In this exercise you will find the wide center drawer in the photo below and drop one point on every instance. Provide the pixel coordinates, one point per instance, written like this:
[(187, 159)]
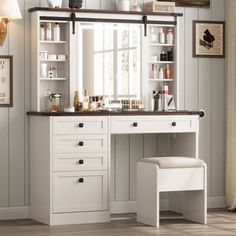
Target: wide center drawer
[(80, 191), (154, 124), (80, 125), (79, 143)]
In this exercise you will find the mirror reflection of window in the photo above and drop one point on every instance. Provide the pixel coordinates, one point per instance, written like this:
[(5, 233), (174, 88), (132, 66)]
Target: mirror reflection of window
[(111, 60)]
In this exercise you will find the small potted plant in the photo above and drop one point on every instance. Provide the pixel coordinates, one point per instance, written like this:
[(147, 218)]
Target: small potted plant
[(75, 3)]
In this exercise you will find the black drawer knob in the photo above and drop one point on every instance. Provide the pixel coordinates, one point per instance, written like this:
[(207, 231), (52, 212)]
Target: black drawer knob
[(81, 144), (81, 180), (174, 124), (81, 162), (81, 125), (135, 124)]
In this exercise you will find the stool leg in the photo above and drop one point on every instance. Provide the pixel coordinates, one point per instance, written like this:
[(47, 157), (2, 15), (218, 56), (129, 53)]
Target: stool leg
[(195, 203), (195, 206), (147, 194)]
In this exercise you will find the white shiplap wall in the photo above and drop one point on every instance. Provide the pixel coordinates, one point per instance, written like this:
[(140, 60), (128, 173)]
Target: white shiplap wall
[(202, 86)]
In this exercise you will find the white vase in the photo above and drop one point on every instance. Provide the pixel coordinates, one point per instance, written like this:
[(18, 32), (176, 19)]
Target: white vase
[(55, 3), (122, 5)]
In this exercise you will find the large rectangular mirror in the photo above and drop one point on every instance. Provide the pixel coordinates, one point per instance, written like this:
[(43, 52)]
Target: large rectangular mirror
[(109, 59)]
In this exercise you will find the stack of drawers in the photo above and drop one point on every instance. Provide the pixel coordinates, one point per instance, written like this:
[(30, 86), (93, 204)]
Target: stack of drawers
[(79, 164)]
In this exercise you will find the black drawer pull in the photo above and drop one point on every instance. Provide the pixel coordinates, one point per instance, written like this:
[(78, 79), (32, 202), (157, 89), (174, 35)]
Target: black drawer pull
[(174, 124), (135, 124), (80, 180), (81, 144), (81, 125), (81, 162)]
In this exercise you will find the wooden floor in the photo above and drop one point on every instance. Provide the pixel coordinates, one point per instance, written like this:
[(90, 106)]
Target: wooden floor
[(220, 222)]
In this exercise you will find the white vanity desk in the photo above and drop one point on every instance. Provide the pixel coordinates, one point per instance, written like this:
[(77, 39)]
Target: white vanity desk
[(70, 158)]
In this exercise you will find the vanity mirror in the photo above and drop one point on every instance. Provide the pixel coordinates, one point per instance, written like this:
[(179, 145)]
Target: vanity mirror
[(109, 59)]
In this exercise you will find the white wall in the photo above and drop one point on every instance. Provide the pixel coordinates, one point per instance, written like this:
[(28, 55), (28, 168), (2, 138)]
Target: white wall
[(202, 87)]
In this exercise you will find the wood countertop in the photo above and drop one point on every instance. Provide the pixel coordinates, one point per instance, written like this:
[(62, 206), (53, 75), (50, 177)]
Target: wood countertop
[(117, 113)]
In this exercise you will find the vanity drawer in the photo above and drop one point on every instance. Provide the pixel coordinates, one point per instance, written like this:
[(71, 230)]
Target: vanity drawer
[(154, 124), (79, 143), (77, 162), (80, 125), (80, 191)]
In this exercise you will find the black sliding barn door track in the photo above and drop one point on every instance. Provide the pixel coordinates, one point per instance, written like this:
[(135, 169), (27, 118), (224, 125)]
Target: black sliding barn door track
[(73, 19)]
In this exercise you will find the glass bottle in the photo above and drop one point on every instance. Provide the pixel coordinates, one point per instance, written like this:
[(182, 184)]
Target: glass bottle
[(49, 32), (160, 73), (153, 36), (85, 100), (77, 102), (135, 6), (55, 99), (42, 33), (161, 36), (168, 72), (56, 32), (154, 71), (170, 37)]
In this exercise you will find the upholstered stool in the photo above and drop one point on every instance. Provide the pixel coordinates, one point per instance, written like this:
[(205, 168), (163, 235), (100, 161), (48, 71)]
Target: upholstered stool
[(171, 174)]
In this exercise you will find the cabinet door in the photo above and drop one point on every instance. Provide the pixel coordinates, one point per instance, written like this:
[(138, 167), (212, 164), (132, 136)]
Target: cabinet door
[(79, 143), (80, 191)]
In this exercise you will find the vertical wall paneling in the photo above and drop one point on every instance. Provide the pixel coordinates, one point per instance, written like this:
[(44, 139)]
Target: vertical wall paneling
[(218, 113), (122, 168), (204, 102), (112, 174), (17, 114), (181, 59), (191, 64), (4, 140), (136, 154)]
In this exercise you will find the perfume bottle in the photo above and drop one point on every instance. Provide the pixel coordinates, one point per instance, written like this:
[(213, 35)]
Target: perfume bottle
[(161, 36), (135, 6), (168, 72)]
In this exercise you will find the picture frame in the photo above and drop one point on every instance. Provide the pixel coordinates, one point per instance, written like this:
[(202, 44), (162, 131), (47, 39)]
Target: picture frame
[(6, 81), (209, 39)]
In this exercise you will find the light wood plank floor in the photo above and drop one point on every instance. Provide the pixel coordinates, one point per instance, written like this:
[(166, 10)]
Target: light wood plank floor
[(220, 222)]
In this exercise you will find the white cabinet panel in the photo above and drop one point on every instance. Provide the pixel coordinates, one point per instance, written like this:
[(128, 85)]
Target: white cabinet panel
[(80, 191)]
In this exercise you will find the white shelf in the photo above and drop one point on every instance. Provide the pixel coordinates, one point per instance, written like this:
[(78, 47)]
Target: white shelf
[(52, 42), (161, 45), (53, 79), (48, 60), (161, 62), (161, 80)]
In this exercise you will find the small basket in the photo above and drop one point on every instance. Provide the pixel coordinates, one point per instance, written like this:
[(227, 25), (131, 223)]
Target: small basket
[(159, 6)]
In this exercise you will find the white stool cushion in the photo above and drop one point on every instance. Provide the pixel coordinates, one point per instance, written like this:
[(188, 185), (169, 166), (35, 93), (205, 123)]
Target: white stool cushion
[(175, 162)]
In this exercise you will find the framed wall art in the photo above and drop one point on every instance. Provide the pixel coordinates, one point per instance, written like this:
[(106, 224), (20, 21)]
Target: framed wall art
[(190, 3), (208, 39), (6, 81)]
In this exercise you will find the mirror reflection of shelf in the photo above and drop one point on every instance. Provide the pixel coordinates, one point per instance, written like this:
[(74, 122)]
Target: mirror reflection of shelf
[(49, 60), (161, 62), (161, 45), (53, 79), (161, 80), (52, 42)]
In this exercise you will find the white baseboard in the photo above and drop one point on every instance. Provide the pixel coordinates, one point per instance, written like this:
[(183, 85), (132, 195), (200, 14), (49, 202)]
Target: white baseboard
[(216, 202), (14, 213), (118, 207)]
